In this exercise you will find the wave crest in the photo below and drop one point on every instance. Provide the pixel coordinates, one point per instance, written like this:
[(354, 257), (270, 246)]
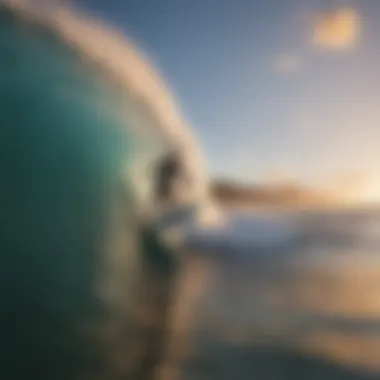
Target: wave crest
[(154, 109)]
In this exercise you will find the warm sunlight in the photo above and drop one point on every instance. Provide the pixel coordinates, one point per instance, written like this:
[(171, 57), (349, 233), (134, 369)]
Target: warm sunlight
[(370, 194)]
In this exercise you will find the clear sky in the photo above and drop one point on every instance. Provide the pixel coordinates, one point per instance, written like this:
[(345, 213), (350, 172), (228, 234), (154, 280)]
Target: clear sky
[(272, 87)]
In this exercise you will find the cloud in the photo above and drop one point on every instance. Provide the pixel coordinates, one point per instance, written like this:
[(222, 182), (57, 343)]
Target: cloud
[(337, 29), (287, 63)]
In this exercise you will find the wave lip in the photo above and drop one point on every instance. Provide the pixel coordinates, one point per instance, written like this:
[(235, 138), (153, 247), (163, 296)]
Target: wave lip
[(149, 103)]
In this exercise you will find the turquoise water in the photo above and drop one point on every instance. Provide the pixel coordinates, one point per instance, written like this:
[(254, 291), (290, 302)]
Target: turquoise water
[(84, 286)]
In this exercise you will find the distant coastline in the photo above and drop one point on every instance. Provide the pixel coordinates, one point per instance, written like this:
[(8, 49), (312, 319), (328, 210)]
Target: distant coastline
[(239, 196)]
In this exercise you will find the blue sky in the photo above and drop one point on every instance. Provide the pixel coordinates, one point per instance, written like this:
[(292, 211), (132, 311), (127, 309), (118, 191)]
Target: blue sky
[(272, 87)]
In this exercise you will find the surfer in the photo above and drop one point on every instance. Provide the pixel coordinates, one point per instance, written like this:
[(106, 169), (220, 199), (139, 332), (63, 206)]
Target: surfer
[(168, 174)]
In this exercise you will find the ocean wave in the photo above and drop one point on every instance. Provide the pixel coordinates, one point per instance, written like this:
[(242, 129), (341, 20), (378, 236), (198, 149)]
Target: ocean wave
[(151, 110)]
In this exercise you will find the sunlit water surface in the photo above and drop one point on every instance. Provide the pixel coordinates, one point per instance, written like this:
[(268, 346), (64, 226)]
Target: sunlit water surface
[(285, 296)]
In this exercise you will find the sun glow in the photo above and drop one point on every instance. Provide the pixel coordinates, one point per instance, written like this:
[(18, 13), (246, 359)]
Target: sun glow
[(370, 194)]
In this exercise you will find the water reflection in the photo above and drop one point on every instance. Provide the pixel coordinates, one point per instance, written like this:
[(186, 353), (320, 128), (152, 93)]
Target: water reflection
[(310, 309)]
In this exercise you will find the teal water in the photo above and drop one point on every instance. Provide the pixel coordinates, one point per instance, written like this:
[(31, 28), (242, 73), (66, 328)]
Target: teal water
[(84, 286)]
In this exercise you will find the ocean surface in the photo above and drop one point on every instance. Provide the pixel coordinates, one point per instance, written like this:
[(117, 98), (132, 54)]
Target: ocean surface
[(283, 295)]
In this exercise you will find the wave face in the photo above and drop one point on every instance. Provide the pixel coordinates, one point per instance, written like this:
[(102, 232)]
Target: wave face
[(85, 282)]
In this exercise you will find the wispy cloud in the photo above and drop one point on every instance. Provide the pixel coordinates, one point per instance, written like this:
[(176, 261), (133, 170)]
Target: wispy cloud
[(337, 29), (287, 63)]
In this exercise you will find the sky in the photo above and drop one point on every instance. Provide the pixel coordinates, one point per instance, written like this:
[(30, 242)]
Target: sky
[(274, 89)]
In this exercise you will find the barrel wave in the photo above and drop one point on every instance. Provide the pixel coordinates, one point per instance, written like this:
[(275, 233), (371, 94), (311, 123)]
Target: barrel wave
[(86, 279)]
